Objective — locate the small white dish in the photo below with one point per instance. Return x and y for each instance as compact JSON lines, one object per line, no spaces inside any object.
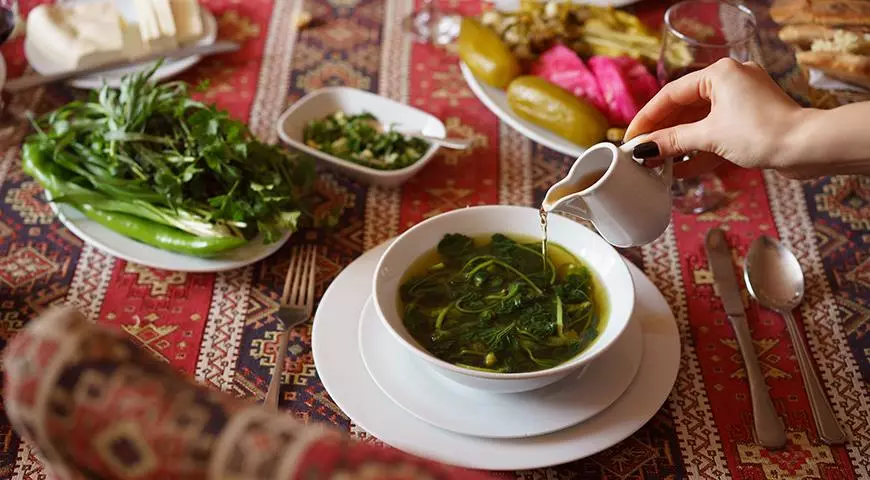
{"x":606,"y":264}
{"x":496,"y":101}
{"x":340,"y":368}
{"x":131,"y":250}
{"x":430,"y":397}
{"x":169,"y":69}
{"x":352,"y":101}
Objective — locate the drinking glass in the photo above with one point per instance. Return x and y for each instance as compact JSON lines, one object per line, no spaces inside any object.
{"x":696,"y":34}
{"x":430,"y":24}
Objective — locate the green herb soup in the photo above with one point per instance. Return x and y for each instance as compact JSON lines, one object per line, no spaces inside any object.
{"x":493,"y":304}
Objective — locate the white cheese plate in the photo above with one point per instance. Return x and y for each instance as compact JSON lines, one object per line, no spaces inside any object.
{"x":169,"y":69}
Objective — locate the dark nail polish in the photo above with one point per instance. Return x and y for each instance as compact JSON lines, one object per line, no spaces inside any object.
{"x":646,"y":150}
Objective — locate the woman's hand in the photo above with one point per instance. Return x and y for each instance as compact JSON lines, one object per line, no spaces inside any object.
{"x":730,"y":110}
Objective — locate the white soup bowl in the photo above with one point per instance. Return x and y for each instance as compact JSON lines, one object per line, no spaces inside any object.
{"x":607,"y":265}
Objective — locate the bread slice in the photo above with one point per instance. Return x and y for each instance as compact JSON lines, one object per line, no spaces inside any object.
{"x":822,"y":12}
{"x":848,"y":67}
{"x":790,"y":12}
{"x":802,"y":36}
{"x":843,"y":41}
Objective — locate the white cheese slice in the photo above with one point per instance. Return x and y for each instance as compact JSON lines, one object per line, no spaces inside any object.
{"x":163,"y":12}
{"x":77,"y":36}
{"x":188,"y":20}
{"x":156,"y":26}
{"x":133,"y":46}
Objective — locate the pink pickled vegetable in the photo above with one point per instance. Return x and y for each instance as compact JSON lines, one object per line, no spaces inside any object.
{"x":561,"y":66}
{"x":626,"y":85}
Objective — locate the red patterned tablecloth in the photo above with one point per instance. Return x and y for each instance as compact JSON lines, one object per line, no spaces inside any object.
{"x":221,"y":330}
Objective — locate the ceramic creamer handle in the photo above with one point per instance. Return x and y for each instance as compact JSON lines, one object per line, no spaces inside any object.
{"x":666,"y":173}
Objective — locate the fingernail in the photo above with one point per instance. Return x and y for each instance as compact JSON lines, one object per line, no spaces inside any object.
{"x":646,"y":150}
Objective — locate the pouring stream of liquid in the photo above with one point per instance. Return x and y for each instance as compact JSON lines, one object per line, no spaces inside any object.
{"x":544,"y":240}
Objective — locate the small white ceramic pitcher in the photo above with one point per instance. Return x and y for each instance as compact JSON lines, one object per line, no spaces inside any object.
{"x":630,"y":205}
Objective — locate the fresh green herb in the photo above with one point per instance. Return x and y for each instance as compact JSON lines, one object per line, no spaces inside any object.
{"x":149,"y":153}
{"x":360,"y":139}
{"x":498,"y":307}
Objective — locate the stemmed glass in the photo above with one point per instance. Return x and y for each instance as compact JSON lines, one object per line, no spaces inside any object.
{"x":696,"y":34}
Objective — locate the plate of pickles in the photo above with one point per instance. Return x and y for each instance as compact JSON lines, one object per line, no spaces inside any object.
{"x":496,"y":101}
{"x":565,"y":75}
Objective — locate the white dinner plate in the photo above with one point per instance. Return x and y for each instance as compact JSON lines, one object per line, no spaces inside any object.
{"x":131,"y":250}
{"x":341,"y":369}
{"x":431,"y":397}
{"x":496,"y":101}
{"x":170,"y":67}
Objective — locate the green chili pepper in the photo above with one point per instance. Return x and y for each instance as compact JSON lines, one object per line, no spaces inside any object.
{"x":35,"y":160}
{"x":129,"y":218}
{"x":160,"y":236}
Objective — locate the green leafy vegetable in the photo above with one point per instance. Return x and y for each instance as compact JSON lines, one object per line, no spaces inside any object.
{"x":499,"y":307}
{"x":454,"y":248}
{"x":359,"y":139}
{"x":151,"y":154}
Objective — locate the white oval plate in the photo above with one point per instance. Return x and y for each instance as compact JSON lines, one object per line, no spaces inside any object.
{"x":434,"y":399}
{"x":341,"y":369}
{"x":131,"y":250}
{"x":170,"y":68}
{"x":496,"y":101}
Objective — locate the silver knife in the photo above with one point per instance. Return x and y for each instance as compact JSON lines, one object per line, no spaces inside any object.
{"x":769,"y":429}
{"x":30,"y":81}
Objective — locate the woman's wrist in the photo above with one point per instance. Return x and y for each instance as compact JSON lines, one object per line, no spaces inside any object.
{"x":824,"y":142}
{"x":794,"y":143}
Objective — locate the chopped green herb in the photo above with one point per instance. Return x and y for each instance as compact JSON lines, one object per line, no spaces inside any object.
{"x":360,"y":139}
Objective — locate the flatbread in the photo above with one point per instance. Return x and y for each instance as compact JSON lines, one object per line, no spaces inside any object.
{"x":822,"y":12}
{"x":850,"y":68}
{"x":802,"y":36}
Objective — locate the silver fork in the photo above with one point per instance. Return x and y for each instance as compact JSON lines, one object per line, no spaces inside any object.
{"x":297,"y":301}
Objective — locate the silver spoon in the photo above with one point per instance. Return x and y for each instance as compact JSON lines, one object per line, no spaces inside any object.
{"x":447,"y":142}
{"x":774,"y":277}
